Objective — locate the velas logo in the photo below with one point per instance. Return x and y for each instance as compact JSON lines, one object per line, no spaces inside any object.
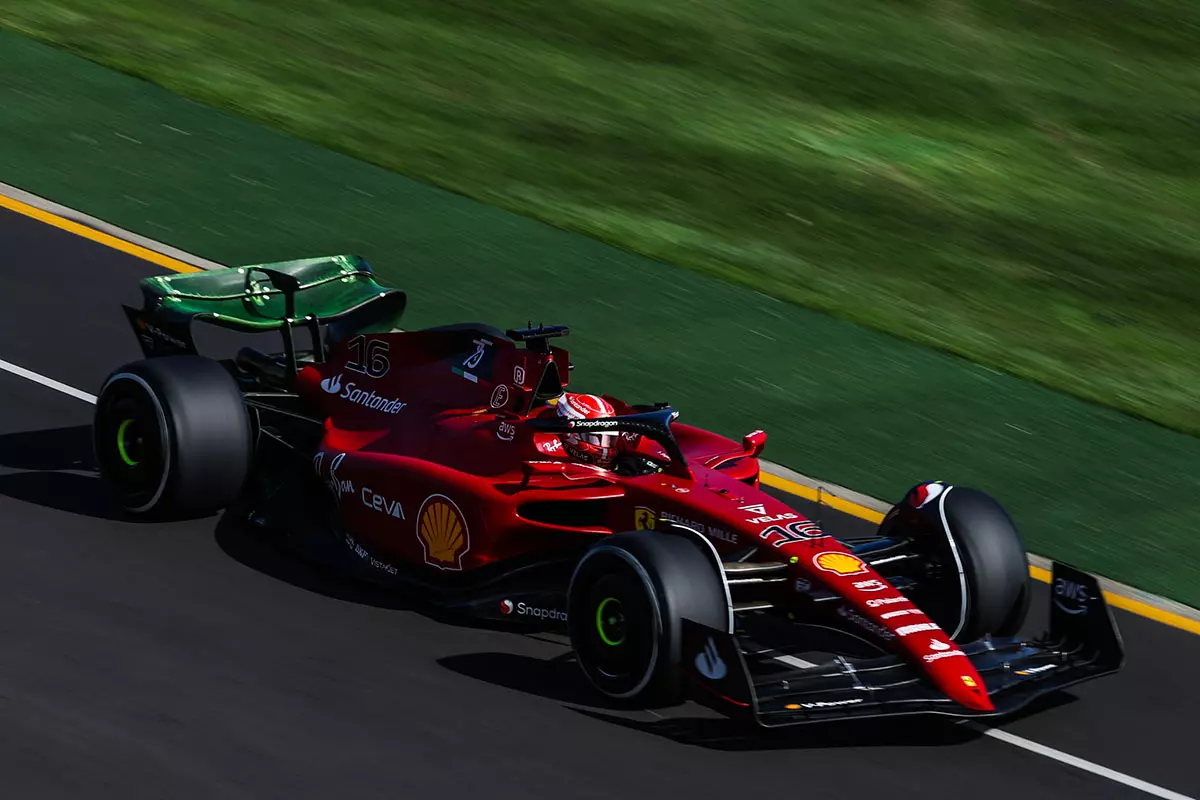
{"x":368,"y":399}
{"x":839,"y":563}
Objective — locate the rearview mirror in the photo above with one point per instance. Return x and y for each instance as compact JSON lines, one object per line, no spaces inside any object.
{"x":754,"y":442}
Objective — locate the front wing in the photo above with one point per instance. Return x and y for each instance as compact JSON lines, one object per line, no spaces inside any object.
{"x":744,"y":682}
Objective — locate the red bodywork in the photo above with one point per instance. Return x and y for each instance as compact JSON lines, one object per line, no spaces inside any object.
{"x":427,"y":448}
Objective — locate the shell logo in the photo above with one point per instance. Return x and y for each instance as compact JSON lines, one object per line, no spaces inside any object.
{"x":443,"y":532}
{"x":839,"y":563}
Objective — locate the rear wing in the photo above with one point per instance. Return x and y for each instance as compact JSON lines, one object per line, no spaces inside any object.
{"x":755,"y":684}
{"x":338,"y":291}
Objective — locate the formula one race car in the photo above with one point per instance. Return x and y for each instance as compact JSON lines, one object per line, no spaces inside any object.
{"x":451,"y":461}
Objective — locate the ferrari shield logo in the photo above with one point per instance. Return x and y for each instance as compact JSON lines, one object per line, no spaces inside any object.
{"x":643,"y":518}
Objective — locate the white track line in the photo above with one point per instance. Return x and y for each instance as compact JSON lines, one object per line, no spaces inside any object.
{"x":50,"y":382}
{"x":995,"y":733}
{"x":1078,"y":763}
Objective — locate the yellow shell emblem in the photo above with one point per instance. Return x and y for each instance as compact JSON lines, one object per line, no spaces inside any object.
{"x":443,"y":532}
{"x":839,"y":563}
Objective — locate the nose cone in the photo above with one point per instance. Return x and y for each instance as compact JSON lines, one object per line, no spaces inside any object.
{"x":962,"y":684}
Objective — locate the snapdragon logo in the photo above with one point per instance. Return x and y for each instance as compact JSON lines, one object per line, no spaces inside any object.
{"x":369,"y":399}
{"x":523,"y":609}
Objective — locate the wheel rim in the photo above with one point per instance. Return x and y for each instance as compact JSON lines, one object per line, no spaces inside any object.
{"x":617,"y":645}
{"x":610,"y":621}
{"x":129,"y":443}
{"x":124,"y":445}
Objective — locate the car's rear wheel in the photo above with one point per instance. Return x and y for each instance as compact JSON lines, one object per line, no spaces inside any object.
{"x":172,"y":437}
{"x":626,"y":603}
{"x":977,"y":578}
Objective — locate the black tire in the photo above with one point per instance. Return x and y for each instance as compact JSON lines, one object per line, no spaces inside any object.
{"x":625,"y":607}
{"x":172,"y":437}
{"x":978,"y":534}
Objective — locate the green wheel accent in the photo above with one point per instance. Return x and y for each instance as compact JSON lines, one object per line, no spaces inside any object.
{"x":121,"y":443}
{"x":605,"y":626}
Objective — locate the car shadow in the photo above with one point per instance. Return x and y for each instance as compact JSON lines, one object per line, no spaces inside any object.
{"x":59,"y":472}
{"x":322,"y":568}
{"x":270,"y":556}
{"x":560,"y":679}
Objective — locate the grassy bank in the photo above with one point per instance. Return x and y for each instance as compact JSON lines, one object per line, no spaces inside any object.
{"x":1014,"y":181}
{"x":1102,"y":490}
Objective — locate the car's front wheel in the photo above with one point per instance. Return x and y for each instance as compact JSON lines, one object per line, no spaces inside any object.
{"x":626,"y":603}
{"x":976,"y":579}
{"x":172,"y":437}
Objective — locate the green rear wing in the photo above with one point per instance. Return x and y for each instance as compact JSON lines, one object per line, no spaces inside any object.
{"x":337,"y":291}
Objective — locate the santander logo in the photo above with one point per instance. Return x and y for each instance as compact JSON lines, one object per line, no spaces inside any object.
{"x":363,"y":397}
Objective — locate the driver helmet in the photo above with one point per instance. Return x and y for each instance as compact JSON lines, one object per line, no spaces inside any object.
{"x":591,"y":448}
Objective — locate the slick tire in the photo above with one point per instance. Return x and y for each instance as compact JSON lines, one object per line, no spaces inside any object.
{"x":172,"y":437}
{"x":625,"y":606}
{"x":968,"y":529}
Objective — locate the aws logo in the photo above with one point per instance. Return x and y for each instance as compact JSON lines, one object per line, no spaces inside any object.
{"x":1071,"y":597}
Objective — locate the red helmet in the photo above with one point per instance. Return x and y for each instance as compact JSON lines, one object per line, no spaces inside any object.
{"x":590,"y":448}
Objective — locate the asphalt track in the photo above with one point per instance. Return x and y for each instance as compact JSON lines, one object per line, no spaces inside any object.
{"x":190,"y":660}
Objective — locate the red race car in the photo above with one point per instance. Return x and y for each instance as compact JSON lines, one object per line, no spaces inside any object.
{"x":453,"y":462}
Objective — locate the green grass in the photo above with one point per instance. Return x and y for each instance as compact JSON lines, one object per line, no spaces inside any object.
{"x":1106,"y":492}
{"x":1016,"y":181}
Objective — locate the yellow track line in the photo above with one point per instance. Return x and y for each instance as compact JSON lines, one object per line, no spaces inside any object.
{"x":845,"y":506}
{"x":99,"y":237}
{"x":1039,"y":574}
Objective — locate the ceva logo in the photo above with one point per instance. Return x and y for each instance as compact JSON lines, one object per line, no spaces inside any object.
{"x":332,"y":385}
